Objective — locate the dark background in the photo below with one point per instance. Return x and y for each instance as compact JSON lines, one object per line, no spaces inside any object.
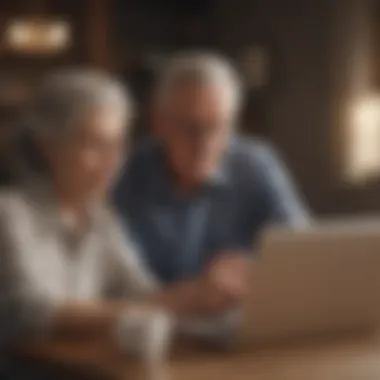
{"x":315,"y":51}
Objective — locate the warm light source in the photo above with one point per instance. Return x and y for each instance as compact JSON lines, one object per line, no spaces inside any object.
{"x":38,"y":36}
{"x":364,"y":140}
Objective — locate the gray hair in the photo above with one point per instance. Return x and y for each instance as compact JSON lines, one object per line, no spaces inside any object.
{"x":56,"y":108}
{"x":66,"y":95}
{"x":204,"y":68}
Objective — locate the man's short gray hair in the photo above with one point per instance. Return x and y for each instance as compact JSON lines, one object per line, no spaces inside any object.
{"x":204,"y":68}
{"x":66,"y":95}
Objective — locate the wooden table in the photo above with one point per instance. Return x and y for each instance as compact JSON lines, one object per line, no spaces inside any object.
{"x":343,"y":358}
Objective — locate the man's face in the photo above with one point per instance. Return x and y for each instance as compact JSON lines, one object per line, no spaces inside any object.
{"x":195,"y":125}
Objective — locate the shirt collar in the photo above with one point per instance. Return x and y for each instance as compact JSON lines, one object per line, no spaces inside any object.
{"x":220,"y":178}
{"x":41,"y":191}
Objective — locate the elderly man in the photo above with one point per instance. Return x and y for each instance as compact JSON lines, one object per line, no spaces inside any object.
{"x":197,"y":197}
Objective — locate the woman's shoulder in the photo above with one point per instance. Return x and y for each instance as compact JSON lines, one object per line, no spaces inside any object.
{"x":110,"y":217}
{"x":115,"y":224}
{"x":14,"y":201}
{"x":11,"y":195}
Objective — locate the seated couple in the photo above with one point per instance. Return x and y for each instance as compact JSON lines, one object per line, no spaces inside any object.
{"x":190,"y":203}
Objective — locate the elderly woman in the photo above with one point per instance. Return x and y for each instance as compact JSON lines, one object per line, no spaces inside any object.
{"x":64,"y":265}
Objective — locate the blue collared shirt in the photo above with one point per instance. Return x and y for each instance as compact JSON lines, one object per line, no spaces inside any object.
{"x":178,"y":234}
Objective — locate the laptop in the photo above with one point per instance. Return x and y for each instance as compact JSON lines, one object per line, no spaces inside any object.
{"x":322,"y":279}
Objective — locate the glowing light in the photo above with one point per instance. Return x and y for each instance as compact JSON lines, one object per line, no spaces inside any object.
{"x":364,"y":140}
{"x":38,"y":36}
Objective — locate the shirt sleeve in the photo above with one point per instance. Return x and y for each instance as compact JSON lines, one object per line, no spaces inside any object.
{"x":127,"y":275}
{"x":25,"y":311}
{"x":279,"y":198}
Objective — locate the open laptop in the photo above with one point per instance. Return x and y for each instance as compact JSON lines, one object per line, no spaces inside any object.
{"x":325,"y":278}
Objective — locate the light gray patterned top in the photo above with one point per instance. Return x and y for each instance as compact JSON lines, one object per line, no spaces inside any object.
{"x":44,"y":264}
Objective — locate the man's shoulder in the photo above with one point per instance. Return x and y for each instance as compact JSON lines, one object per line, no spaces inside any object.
{"x":252,"y":154}
{"x":144,"y":153}
{"x":140,"y":163}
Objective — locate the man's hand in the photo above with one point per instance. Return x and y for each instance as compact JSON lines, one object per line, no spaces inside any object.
{"x":219,"y":288}
{"x":224,"y":282}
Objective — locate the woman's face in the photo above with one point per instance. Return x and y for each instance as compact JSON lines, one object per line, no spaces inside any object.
{"x":86,"y":162}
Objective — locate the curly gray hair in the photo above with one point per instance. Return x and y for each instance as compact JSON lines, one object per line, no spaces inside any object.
{"x":65,"y":95}
{"x":57,"y":106}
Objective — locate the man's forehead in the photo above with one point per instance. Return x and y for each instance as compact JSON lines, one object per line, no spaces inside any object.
{"x":194,"y":96}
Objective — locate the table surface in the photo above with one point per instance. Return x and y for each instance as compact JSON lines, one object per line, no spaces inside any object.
{"x":354,"y":357}
{"x":350,"y":357}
